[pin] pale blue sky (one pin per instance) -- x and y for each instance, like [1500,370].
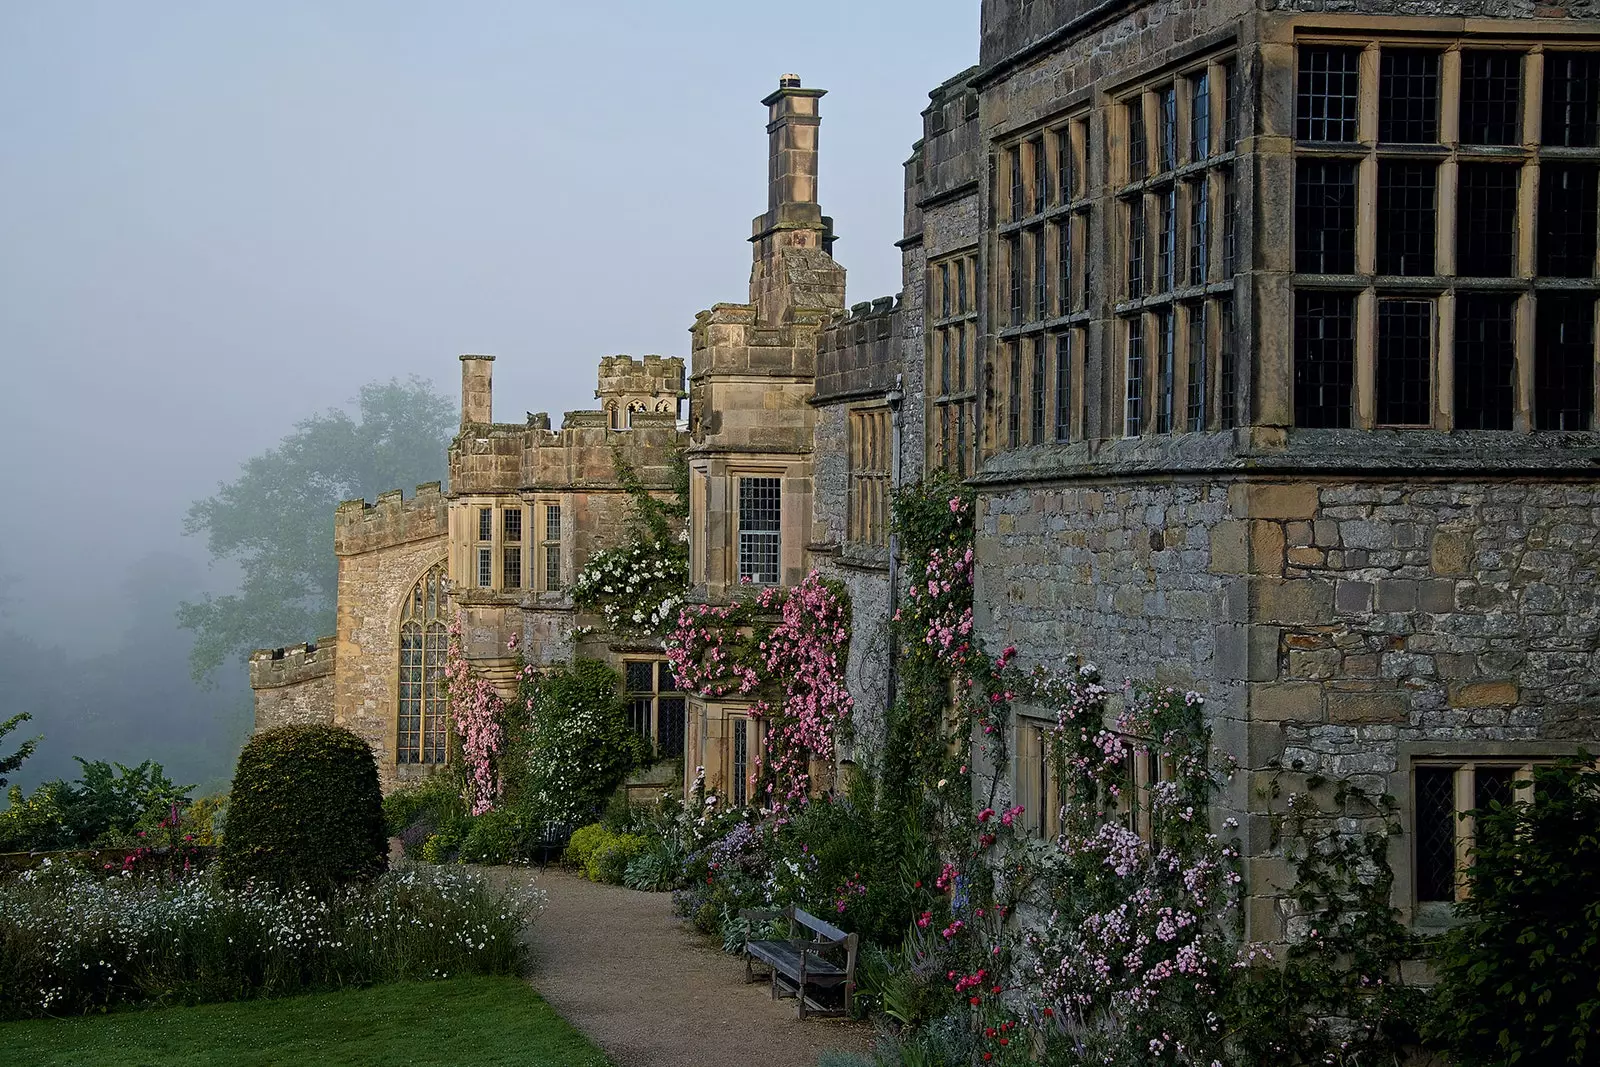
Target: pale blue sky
[218,218]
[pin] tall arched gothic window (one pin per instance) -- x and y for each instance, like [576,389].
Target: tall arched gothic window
[423,642]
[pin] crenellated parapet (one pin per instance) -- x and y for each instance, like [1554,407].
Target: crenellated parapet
[630,386]
[392,520]
[274,668]
[858,354]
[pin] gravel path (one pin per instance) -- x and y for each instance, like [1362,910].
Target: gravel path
[652,992]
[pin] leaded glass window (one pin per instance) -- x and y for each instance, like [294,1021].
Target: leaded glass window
[423,645]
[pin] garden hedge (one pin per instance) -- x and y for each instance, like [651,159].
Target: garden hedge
[306,809]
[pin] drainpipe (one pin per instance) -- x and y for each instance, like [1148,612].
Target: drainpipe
[896,429]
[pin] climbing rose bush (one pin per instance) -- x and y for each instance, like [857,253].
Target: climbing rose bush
[478,715]
[636,588]
[785,650]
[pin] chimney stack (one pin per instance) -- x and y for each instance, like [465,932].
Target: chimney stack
[793,120]
[477,389]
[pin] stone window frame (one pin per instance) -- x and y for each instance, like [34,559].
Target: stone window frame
[869,454]
[1444,286]
[1031,777]
[431,629]
[466,569]
[1524,755]
[737,479]
[1050,227]
[543,545]
[649,702]
[951,362]
[1196,196]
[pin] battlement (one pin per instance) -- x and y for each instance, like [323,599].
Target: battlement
[273,668]
[653,377]
[391,520]
[858,353]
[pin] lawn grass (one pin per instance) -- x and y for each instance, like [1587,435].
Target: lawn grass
[464,1021]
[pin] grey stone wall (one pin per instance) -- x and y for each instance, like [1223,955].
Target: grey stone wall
[293,685]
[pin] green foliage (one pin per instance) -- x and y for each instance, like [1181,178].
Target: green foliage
[493,837]
[579,745]
[274,521]
[604,855]
[1338,991]
[106,803]
[637,586]
[1519,982]
[10,763]
[306,810]
[485,1022]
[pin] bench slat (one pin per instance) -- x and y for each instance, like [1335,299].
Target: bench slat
[826,929]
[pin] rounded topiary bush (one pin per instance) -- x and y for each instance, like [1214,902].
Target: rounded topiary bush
[306,809]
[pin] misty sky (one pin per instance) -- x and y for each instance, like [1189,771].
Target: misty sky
[218,218]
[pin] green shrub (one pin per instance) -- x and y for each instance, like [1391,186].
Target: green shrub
[1520,981]
[107,802]
[493,837]
[305,809]
[579,744]
[609,862]
[584,841]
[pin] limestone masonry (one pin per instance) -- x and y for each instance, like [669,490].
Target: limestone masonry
[1265,333]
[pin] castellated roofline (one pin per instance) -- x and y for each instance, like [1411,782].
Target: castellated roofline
[391,520]
[271,668]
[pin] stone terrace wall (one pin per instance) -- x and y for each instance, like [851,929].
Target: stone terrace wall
[293,685]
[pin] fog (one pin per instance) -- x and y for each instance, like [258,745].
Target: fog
[219,219]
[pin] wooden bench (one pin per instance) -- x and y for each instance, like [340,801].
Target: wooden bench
[799,967]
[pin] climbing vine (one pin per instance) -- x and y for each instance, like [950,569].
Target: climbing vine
[477,715]
[784,650]
[638,586]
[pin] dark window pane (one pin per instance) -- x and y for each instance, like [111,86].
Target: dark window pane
[485,523]
[1166,372]
[1324,358]
[944,362]
[1041,176]
[1326,104]
[1571,98]
[1435,832]
[1014,270]
[1227,370]
[1405,362]
[1200,116]
[1041,277]
[1064,287]
[1325,217]
[1199,367]
[1491,97]
[1066,172]
[1490,786]
[511,567]
[1014,404]
[1405,217]
[669,727]
[1133,414]
[1199,232]
[1037,394]
[1564,361]
[1566,224]
[1408,96]
[512,519]
[1015,157]
[1167,241]
[640,677]
[1486,220]
[1136,247]
[1138,159]
[944,290]
[1169,128]
[1064,387]
[1486,343]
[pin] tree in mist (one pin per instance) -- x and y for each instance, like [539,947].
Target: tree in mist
[275,521]
[12,762]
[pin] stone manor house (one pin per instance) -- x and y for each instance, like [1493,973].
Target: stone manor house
[1265,332]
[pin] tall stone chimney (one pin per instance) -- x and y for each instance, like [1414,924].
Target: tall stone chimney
[477,389]
[792,209]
